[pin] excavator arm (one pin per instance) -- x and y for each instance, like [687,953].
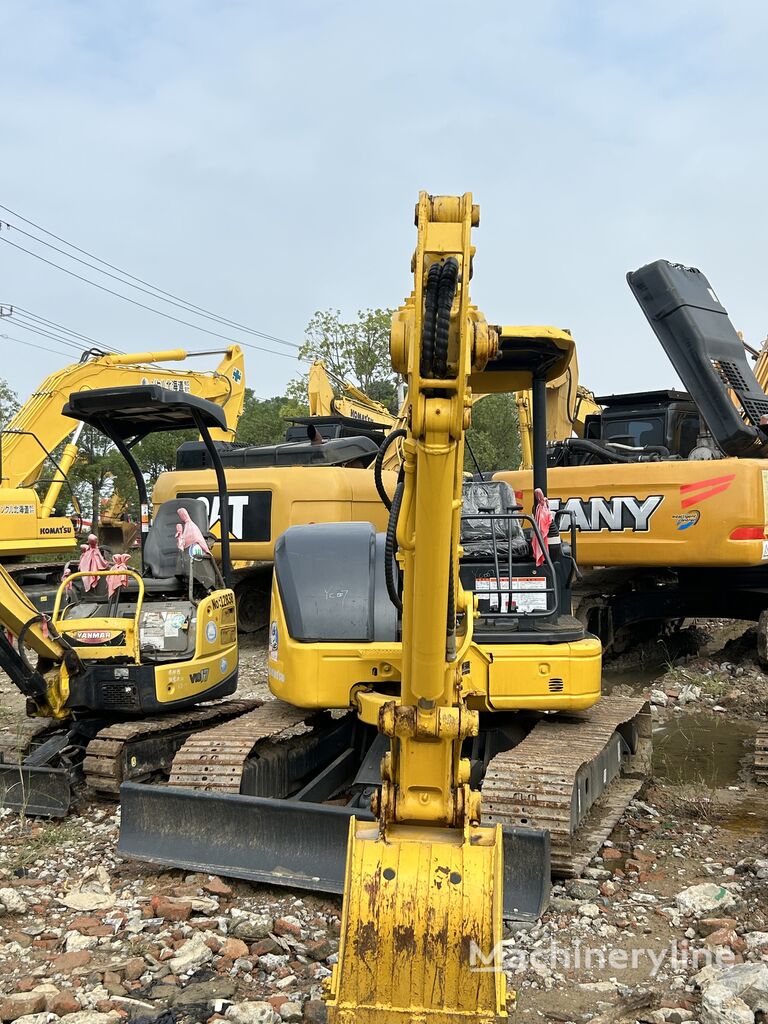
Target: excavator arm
[352,403]
[568,405]
[423,883]
[38,427]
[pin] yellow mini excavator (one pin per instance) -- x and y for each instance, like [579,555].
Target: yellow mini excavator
[125,656]
[475,752]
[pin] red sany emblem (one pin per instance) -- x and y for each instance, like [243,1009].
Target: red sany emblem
[693,494]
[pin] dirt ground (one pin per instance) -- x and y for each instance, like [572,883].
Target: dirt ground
[88,938]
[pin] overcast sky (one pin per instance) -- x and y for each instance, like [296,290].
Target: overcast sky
[263,160]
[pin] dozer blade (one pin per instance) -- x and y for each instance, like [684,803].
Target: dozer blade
[421,928]
[37,791]
[290,843]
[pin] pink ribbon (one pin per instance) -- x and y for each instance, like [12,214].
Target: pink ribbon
[543,517]
[93,560]
[115,582]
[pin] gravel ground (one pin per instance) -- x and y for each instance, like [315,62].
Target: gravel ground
[88,938]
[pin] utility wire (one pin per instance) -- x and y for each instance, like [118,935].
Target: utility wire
[38,328]
[165,296]
[31,344]
[53,325]
[77,347]
[134,302]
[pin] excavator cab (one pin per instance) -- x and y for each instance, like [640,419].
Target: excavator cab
[125,641]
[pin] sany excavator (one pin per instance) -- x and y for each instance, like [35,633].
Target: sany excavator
[29,525]
[475,753]
[126,656]
[669,489]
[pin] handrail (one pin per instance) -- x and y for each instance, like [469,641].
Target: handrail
[122,571]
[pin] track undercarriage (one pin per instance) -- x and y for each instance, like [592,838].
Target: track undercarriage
[268,796]
[44,764]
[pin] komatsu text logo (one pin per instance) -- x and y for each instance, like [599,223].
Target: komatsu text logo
[612,514]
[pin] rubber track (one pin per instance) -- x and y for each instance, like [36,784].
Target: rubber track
[761,755]
[107,756]
[533,783]
[16,741]
[214,760]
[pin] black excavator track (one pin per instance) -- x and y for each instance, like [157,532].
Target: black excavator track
[41,766]
[230,811]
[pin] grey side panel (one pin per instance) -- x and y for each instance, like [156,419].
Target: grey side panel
[331,580]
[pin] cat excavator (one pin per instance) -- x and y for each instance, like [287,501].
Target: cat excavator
[438,742]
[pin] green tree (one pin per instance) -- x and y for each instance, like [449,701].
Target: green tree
[357,352]
[263,419]
[494,435]
[9,403]
[97,461]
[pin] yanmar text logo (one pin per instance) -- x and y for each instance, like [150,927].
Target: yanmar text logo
[93,636]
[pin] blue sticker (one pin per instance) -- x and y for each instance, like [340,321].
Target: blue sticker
[687,519]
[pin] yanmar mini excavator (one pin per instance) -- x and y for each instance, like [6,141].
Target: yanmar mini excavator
[122,668]
[448,640]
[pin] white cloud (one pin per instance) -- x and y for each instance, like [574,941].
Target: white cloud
[263,160]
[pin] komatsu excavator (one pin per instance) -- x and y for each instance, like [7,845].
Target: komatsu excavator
[29,525]
[125,656]
[476,753]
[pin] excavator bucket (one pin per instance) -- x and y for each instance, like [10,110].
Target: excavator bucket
[291,843]
[421,933]
[38,791]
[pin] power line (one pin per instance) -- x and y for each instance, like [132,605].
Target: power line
[165,296]
[59,327]
[46,334]
[134,302]
[31,344]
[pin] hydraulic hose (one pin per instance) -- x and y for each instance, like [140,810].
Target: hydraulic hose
[446,291]
[390,547]
[379,464]
[606,453]
[428,325]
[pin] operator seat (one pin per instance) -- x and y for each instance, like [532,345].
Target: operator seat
[165,567]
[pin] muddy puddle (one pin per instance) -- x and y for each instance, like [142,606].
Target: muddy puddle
[702,748]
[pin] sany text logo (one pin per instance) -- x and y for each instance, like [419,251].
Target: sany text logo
[592,515]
